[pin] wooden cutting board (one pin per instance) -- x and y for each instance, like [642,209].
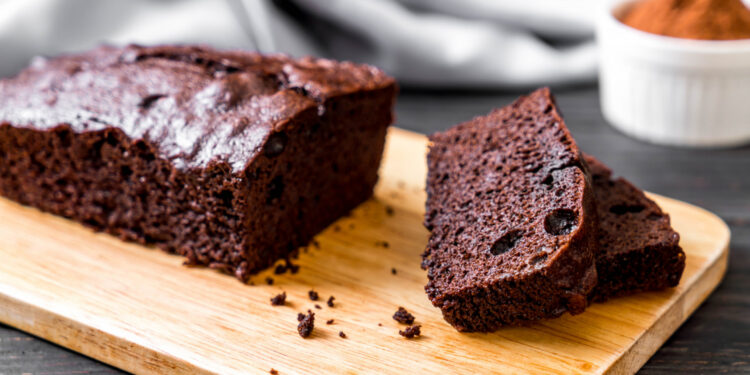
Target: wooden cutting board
[139,309]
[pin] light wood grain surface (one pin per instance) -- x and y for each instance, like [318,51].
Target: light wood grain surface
[140,310]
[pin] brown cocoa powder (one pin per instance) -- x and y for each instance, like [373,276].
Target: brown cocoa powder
[691,19]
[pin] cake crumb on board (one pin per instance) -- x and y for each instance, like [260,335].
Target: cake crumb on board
[411,331]
[313,295]
[306,323]
[402,316]
[279,299]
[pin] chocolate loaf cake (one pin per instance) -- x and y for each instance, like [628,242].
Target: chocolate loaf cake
[511,217]
[231,159]
[639,249]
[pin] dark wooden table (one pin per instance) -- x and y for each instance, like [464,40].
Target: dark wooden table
[716,339]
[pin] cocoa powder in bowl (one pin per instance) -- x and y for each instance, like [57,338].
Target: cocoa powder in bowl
[691,19]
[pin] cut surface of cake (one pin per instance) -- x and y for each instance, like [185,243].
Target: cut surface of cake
[512,221]
[639,249]
[232,159]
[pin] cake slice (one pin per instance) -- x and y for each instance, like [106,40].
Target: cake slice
[512,221]
[229,158]
[639,249]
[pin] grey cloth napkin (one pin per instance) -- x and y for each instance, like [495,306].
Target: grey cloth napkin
[423,43]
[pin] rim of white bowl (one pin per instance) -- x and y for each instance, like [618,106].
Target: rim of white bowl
[718,47]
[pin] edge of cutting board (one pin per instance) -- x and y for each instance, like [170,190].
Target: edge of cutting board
[76,328]
[641,350]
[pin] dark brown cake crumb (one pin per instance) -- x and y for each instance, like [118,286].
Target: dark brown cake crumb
[313,295]
[380,324]
[291,267]
[342,334]
[279,299]
[393,271]
[411,331]
[402,316]
[330,301]
[280,269]
[384,244]
[337,228]
[316,244]
[269,280]
[389,210]
[318,306]
[274,372]
[329,321]
[306,323]
[287,266]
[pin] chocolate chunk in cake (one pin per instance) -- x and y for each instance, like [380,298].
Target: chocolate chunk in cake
[279,299]
[639,249]
[512,220]
[342,334]
[269,280]
[330,301]
[411,331]
[306,323]
[402,316]
[329,321]
[232,159]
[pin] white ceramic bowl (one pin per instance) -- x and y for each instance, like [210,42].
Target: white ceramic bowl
[673,91]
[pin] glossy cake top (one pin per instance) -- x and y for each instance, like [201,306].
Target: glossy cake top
[195,104]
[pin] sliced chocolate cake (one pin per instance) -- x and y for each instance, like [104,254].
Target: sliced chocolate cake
[511,217]
[232,159]
[639,249]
